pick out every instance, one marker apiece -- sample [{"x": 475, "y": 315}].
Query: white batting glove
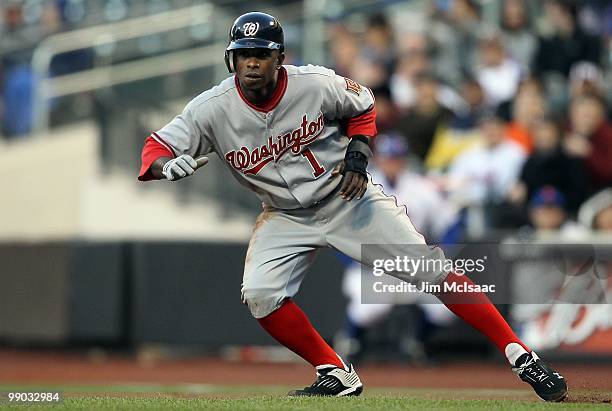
[{"x": 182, "y": 166}]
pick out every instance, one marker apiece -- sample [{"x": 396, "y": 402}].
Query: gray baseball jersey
[
  {"x": 286, "y": 155},
  {"x": 286, "y": 152}
]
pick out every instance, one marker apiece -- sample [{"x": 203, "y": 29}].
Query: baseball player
[{"x": 299, "y": 137}]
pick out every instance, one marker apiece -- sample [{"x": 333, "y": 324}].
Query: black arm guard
[{"x": 357, "y": 155}]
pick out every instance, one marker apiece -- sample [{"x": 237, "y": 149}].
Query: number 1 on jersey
[{"x": 317, "y": 169}]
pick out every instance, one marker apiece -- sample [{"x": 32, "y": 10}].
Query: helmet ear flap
[{"x": 229, "y": 60}]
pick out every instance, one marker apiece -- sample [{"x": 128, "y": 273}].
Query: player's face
[{"x": 256, "y": 68}]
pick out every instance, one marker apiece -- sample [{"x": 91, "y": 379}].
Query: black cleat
[
  {"x": 332, "y": 381},
  {"x": 546, "y": 382}
]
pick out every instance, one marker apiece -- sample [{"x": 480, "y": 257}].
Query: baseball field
[{"x": 100, "y": 381}]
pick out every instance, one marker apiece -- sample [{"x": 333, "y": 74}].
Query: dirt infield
[{"x": 23, "y": 366}]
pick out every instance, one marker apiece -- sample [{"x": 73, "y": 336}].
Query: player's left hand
[{"x": 353, "y": 184}]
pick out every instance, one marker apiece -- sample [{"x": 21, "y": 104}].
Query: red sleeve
[
  {"x": 364, "y": 124},
  {"x": 151, "y": 151}
]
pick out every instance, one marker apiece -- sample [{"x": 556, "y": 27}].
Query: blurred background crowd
[
  {"x": 509, "y": 116},
  {"x": 504, "y": 106},
  {"x": 487, "y": 126},
  {"x": 494, "y": 119}
]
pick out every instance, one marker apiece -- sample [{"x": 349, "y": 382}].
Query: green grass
[{"x": 251, "y": 398}]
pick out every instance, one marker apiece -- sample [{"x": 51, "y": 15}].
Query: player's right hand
[
  {"x": 352, "y": 185},
  {"x": 182, "y": 166}
]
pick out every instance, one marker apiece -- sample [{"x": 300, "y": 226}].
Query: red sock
[
  {"x": 290, "y": 327},
  {"x": 476, "y": 310}
]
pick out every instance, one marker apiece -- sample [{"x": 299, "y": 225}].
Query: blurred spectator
[
  {"x": 13, "y": 17},
  {"x": 370, "y": 72},
  {"x": 550, "y": 165},
  {"x": 17, "y": 115},
  {"x": 26, "y": 24},
  {"x": 343, "y": 49},
  {"x": 379, "y": 43},
  {"x": 596, "y": 212},
  {"x": 487, "y": 172},
  {"x": 497, "y": 73},
  {"x": 594, "y": 16},
  {"x": 590, "y": 137},
  {"x": 517, "y": 33},
  {"x": 24, "y": 29},
  {"x": 472, "y": 92},
  {"x": 428, "y": 210},
  {"x": 454, "y": 28},
  {"x": 386, "y": 111},
  {"x": 461, "y": 133},
  {"x": 585, "y": 78},
  {"x": 528, "y": 107},
  {"x": 420, "y": 123},
  {"x": 448, "y": 144},
  {"x": 412, "y": 61},
  {"x": 547, "y": 211},
  {"x": 376, "y": 58},
  {"x": 568, "y": 43}
]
